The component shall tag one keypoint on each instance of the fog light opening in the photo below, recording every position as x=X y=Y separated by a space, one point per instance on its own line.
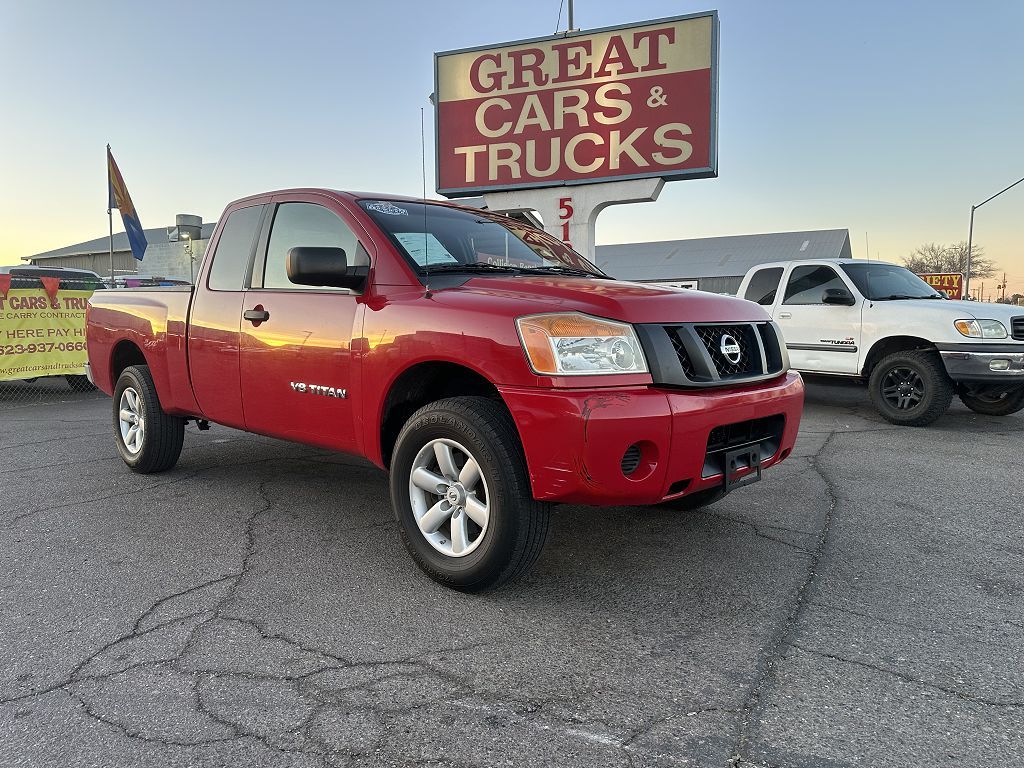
x=639 y=460
x=999 y=365
x=631 y=460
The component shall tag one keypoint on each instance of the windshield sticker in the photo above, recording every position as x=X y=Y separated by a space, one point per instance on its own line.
x=389 y=208
x=424 y=248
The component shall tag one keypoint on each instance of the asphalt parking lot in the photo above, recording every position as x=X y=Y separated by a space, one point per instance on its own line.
x=862 y=606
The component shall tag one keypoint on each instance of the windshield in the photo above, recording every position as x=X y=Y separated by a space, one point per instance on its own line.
x=882 y=282
x=444 y=239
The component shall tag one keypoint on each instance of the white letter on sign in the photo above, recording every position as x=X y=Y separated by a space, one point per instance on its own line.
x=481 y=118
x=662 y=140
x=602 y=98
x=570 y=153
x=617 y=148
x=532 y=114
x=511 y=162
x=531 y=157
x=471 y=153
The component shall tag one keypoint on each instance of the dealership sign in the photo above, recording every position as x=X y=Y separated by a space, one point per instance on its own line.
x=612 y=104
x=950 y=282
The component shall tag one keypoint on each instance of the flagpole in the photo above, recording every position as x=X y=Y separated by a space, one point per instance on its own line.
x=110 y=220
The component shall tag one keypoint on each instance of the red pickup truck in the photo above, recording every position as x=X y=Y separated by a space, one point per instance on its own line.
x=491 y=369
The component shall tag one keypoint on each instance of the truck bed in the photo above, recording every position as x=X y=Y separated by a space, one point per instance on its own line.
x=151 y=319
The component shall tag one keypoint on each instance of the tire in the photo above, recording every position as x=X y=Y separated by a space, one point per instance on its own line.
x=484 y=530
x=911 y=388
x=80 y=384
x=995 y=404
x=162 y=436
x=694 y=501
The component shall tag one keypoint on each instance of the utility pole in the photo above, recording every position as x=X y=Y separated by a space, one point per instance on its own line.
x=571 y=27
x=1003 y=287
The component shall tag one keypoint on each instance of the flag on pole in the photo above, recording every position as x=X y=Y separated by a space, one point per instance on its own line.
x=118 y=197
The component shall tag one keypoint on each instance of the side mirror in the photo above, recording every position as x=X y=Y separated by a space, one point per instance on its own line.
x=838 y=296
x=328 y=267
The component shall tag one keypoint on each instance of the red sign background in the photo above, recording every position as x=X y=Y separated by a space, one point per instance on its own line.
x=950 y=282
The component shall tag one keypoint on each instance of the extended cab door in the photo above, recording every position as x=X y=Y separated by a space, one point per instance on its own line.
x=820 y=337
x=296 y=345
x=216 y=315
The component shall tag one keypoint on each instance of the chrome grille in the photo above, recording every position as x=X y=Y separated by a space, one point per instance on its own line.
x=1018 y=328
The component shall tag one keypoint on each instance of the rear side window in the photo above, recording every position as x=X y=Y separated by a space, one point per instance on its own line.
x=808 y=284
x=764 y=285
x=234 y=248
x=307 y=224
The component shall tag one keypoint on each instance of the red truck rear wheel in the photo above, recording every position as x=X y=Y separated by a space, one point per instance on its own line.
x=147 y=438
x=461 y=492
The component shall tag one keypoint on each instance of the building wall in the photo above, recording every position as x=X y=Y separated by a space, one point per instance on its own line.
x=171 y=259
x=161 y=260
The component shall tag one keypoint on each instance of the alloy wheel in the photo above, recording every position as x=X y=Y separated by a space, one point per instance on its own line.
x=449 y=497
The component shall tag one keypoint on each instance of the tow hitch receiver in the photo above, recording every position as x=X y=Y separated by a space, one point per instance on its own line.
x=738 y=460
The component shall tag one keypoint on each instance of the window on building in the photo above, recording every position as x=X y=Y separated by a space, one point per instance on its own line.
x=307 y=225
x=808 y=284
x=234 y=249
x=764 y=285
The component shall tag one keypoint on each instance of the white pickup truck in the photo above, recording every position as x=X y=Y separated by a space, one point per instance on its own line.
x=885 y=325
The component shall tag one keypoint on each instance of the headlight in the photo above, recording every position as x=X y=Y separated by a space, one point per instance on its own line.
x=981 y=329
x=576 y=344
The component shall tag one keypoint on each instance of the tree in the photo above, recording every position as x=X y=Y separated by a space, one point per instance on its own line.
x=931 y=257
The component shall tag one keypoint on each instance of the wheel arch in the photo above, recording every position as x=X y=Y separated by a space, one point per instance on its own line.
x=124 y=354
x=422 y=383
x=890 y=344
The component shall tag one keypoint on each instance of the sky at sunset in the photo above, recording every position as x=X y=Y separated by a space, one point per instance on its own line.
x=886 y=118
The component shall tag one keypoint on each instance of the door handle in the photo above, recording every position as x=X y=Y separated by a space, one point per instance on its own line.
x=785 y=315
x=256 y=315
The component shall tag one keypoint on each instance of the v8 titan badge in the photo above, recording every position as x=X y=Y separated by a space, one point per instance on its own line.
x=318 y=389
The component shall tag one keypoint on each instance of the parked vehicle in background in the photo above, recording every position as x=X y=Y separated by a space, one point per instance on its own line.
x=70 y=280
x=489 y=367
x=883 y=324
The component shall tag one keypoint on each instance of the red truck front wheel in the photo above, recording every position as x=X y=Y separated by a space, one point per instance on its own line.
x=462 y=496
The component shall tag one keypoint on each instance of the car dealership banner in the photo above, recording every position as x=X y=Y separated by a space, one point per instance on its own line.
x=42 y=333
x=950 y=282
x=612 y=104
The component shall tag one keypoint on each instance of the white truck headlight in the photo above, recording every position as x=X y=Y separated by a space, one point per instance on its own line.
x=574 y=344
x=981 y=329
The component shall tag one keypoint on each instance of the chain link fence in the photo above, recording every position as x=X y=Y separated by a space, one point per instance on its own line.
x=42 y=335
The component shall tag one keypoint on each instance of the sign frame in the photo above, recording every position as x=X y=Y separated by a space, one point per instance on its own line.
x=709 y=171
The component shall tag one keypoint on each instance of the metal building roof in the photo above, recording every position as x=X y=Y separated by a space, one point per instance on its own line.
x=154 y=236
x=718 y=256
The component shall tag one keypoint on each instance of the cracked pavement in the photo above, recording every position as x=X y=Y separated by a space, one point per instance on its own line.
x=862 y=606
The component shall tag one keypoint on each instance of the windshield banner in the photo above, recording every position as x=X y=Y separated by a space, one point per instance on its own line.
x=618 y=103
x=42 y=335
x=950 y=282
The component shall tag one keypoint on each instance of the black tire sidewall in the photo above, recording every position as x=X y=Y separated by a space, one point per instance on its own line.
x=485 y=563
x=148 y=459
x=1012 y=403
x=938 y=388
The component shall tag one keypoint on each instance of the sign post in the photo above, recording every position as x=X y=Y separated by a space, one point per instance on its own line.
x=569 y=124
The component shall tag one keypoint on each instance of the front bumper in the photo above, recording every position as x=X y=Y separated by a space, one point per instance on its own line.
x=574 y=440
x=88 y=374
x=984 y=362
